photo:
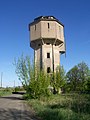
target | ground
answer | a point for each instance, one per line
(13, 107)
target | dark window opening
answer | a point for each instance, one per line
(48, 43)
(48, 55)
(35, 27)
(48, 70)
(48, 25)
(39, 44)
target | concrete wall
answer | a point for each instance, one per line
(41, 57)
(35, 31)
(40, 30)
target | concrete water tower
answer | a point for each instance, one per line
(47, 40)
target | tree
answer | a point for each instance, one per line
(83, 74)
(24, 70)
(87, 84)
(78, 76)
(59, 79)
(39, 86)
(72, 78)
(35, 82)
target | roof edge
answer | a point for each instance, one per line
(45, 18)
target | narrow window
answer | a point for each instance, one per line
(48, 25)
(48, 55)
(48, 43)
(48, 70)
(35, 27)
(39, 44)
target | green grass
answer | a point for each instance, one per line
(4, 92)
(62, 107)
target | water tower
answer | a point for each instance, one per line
(47, 40)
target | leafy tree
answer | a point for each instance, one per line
(77, 77)
(35, 82)
(83, 74)
(87, 84)
(59, 79)
(24, 70)
(72, 78)
(39, 86)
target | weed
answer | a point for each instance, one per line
(63, 107)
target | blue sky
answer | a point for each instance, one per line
(15, 15)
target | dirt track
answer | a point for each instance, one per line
(13, 107)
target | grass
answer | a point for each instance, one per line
(62, 107)
(4, 92)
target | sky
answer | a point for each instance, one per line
(15, 15)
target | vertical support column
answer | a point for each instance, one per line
(42, 48)
(43, 55)
(52, 58)
(41, 58)
(35, 59)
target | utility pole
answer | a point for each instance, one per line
(1, 78)
(14, 85)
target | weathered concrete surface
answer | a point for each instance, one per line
(13, 107)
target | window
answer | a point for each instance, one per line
(48, 55)
(39, 44)
(48, 25)
(48, 43)
(35, 27)
(48, 70)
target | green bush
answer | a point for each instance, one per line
(39, 86)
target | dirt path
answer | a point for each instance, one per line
(13, 107)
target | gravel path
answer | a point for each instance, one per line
(13, 107)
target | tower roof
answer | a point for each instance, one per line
(45, 18)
